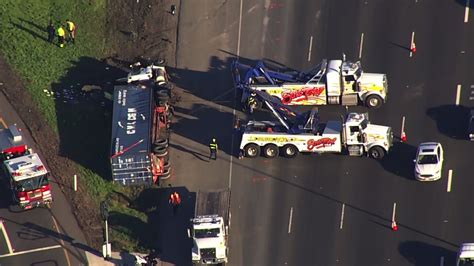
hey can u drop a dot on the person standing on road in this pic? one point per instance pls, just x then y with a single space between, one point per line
175 201
213 149
71 29
173 10
61 36
51 31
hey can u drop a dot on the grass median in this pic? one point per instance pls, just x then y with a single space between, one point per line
45 67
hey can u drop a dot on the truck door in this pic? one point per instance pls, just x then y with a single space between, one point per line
349 82
353 136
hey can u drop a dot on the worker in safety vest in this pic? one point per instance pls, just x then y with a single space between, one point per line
252 102
71 29
61 36
213 149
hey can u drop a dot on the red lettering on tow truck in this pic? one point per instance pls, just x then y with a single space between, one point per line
320 143
301 95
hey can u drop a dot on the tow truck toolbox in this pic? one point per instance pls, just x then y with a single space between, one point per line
131 127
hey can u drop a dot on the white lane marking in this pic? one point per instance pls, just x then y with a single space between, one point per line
458 94
393 211
61 240
342 216
290 220
441 261
466 11
450 180
411 43
5 235
310 47
30 251
361 45
240 28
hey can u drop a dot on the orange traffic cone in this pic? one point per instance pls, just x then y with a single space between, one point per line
403 137
394 226
413 47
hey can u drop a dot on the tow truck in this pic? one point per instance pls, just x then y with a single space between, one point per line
296 132
27 176
140 130
209 227
334 82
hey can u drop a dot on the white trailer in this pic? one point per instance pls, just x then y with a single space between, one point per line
209 227
294 133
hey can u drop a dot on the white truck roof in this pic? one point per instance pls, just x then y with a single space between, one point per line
466 251
25 167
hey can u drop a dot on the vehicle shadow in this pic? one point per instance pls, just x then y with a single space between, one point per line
399 160
84 117
421 254
451 120
166 228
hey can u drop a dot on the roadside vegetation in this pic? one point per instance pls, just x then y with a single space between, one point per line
23 43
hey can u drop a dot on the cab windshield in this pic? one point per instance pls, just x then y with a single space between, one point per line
427 159
203 233
32 183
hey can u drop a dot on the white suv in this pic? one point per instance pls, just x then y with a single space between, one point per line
429 161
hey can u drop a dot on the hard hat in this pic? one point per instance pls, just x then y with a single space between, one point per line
214 140
253 94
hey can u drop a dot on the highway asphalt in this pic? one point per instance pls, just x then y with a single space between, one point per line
334 209
39 236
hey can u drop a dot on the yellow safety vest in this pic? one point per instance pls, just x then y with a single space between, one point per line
70 26
61 32
213 146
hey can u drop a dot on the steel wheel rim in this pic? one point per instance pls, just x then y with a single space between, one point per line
373 101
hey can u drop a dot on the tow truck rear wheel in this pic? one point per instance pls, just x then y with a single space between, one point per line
252 150
373 101
270 151
377 152
289 151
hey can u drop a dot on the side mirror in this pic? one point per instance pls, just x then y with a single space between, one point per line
189 233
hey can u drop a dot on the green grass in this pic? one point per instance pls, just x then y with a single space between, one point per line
40 64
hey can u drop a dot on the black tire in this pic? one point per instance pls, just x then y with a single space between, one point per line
252 150
290 151
160 151
373 101
270 151
377 152
167 165
162 95
163 143
166 174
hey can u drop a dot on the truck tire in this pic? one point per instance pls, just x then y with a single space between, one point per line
377 152
270 151
162 95
252 150
290 151
163 143
333 100
373 101
160 151
166 174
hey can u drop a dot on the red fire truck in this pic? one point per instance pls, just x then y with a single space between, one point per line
27 176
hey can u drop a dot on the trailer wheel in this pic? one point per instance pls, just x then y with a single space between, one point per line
160 151
270 151
252 150
162 143
290 151
166 174
377 152
373 101
167 165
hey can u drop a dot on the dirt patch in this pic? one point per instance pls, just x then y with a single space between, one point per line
135 28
